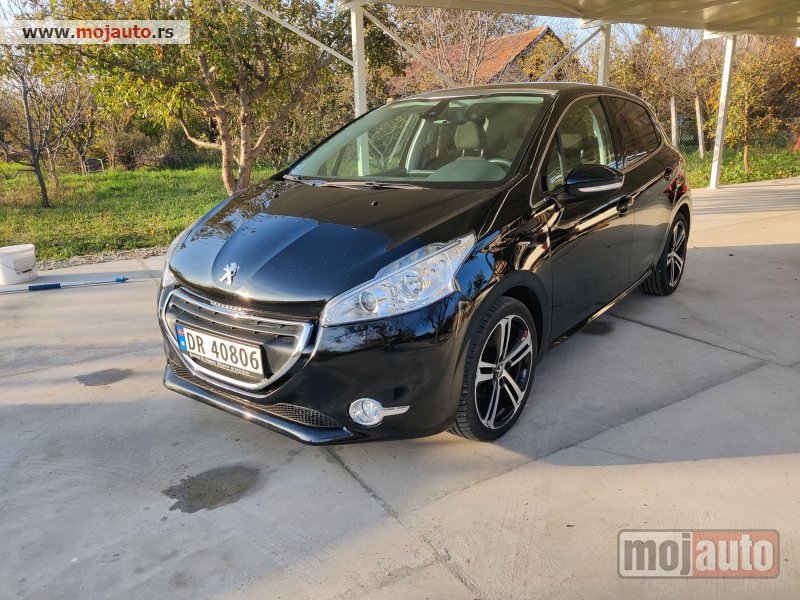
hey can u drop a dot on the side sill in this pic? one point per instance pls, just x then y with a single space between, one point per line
602 311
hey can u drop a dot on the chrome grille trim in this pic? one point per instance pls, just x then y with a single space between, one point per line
225 320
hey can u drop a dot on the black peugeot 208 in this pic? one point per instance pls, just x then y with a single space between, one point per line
405 276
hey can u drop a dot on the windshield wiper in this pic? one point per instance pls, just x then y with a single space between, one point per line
355 184
396 185
303 180
374 185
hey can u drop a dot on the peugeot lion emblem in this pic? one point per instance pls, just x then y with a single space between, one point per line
230 271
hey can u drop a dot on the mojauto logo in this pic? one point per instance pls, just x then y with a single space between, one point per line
710 553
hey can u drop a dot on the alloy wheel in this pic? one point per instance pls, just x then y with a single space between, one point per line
677 253
504 372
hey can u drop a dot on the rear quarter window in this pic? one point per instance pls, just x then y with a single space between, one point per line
638 134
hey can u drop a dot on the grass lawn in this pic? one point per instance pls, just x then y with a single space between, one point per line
123 210
766 163
113 211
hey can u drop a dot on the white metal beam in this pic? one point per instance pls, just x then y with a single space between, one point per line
770 17
359 59
297 30
604 58
698 115
722 115
411 50
673 114
359 82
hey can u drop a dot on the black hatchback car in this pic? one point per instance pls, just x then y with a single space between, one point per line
405 276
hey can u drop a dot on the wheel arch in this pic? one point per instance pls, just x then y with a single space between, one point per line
685 210
528 288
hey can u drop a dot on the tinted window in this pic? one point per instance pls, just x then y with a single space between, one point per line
583 137
638 135
553 174
444 142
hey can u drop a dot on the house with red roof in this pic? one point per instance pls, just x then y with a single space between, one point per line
504 58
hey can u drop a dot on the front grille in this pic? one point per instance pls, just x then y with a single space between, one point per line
287 412
228 319
301 414
283 341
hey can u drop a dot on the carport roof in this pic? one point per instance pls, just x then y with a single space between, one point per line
773 17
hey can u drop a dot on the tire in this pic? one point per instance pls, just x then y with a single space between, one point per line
497 386
672 262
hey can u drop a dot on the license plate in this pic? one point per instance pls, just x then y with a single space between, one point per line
220 352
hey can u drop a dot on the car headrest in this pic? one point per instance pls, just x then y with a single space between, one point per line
511 149
470 136
572 141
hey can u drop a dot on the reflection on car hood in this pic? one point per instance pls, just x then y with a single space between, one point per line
297 246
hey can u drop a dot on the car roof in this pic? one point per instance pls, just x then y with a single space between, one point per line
549 88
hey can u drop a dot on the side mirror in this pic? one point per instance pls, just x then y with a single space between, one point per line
588 180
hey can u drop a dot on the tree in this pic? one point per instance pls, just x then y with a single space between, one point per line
81 138
545 54
645 63
243 73
41 109
764 84
455 41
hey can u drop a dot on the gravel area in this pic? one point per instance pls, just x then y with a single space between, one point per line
87 259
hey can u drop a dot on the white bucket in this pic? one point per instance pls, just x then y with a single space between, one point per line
18 264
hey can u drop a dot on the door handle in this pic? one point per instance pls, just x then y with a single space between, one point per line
624 205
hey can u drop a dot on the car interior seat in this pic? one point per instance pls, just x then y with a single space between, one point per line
470 140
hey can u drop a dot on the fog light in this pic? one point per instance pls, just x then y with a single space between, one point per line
366 411
369 412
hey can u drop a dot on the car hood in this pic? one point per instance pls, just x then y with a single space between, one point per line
298 246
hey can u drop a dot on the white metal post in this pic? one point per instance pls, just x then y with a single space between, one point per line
673 114
701 139
605 54
722 115
359 82
359 59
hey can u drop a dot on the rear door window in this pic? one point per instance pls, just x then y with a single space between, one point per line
638 134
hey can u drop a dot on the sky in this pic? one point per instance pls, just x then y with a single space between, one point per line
5 7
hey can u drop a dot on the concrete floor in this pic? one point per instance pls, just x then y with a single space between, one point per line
679 412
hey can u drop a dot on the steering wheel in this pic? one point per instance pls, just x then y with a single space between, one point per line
504 162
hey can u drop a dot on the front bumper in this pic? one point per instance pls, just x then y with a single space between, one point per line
181 381
408 360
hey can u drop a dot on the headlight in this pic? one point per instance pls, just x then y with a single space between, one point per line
167 277
416 280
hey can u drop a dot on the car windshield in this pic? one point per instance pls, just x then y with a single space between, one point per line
454 142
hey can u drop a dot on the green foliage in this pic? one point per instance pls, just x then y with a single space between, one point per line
645 67
766 162
239 83
765 66
112 211
546 53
